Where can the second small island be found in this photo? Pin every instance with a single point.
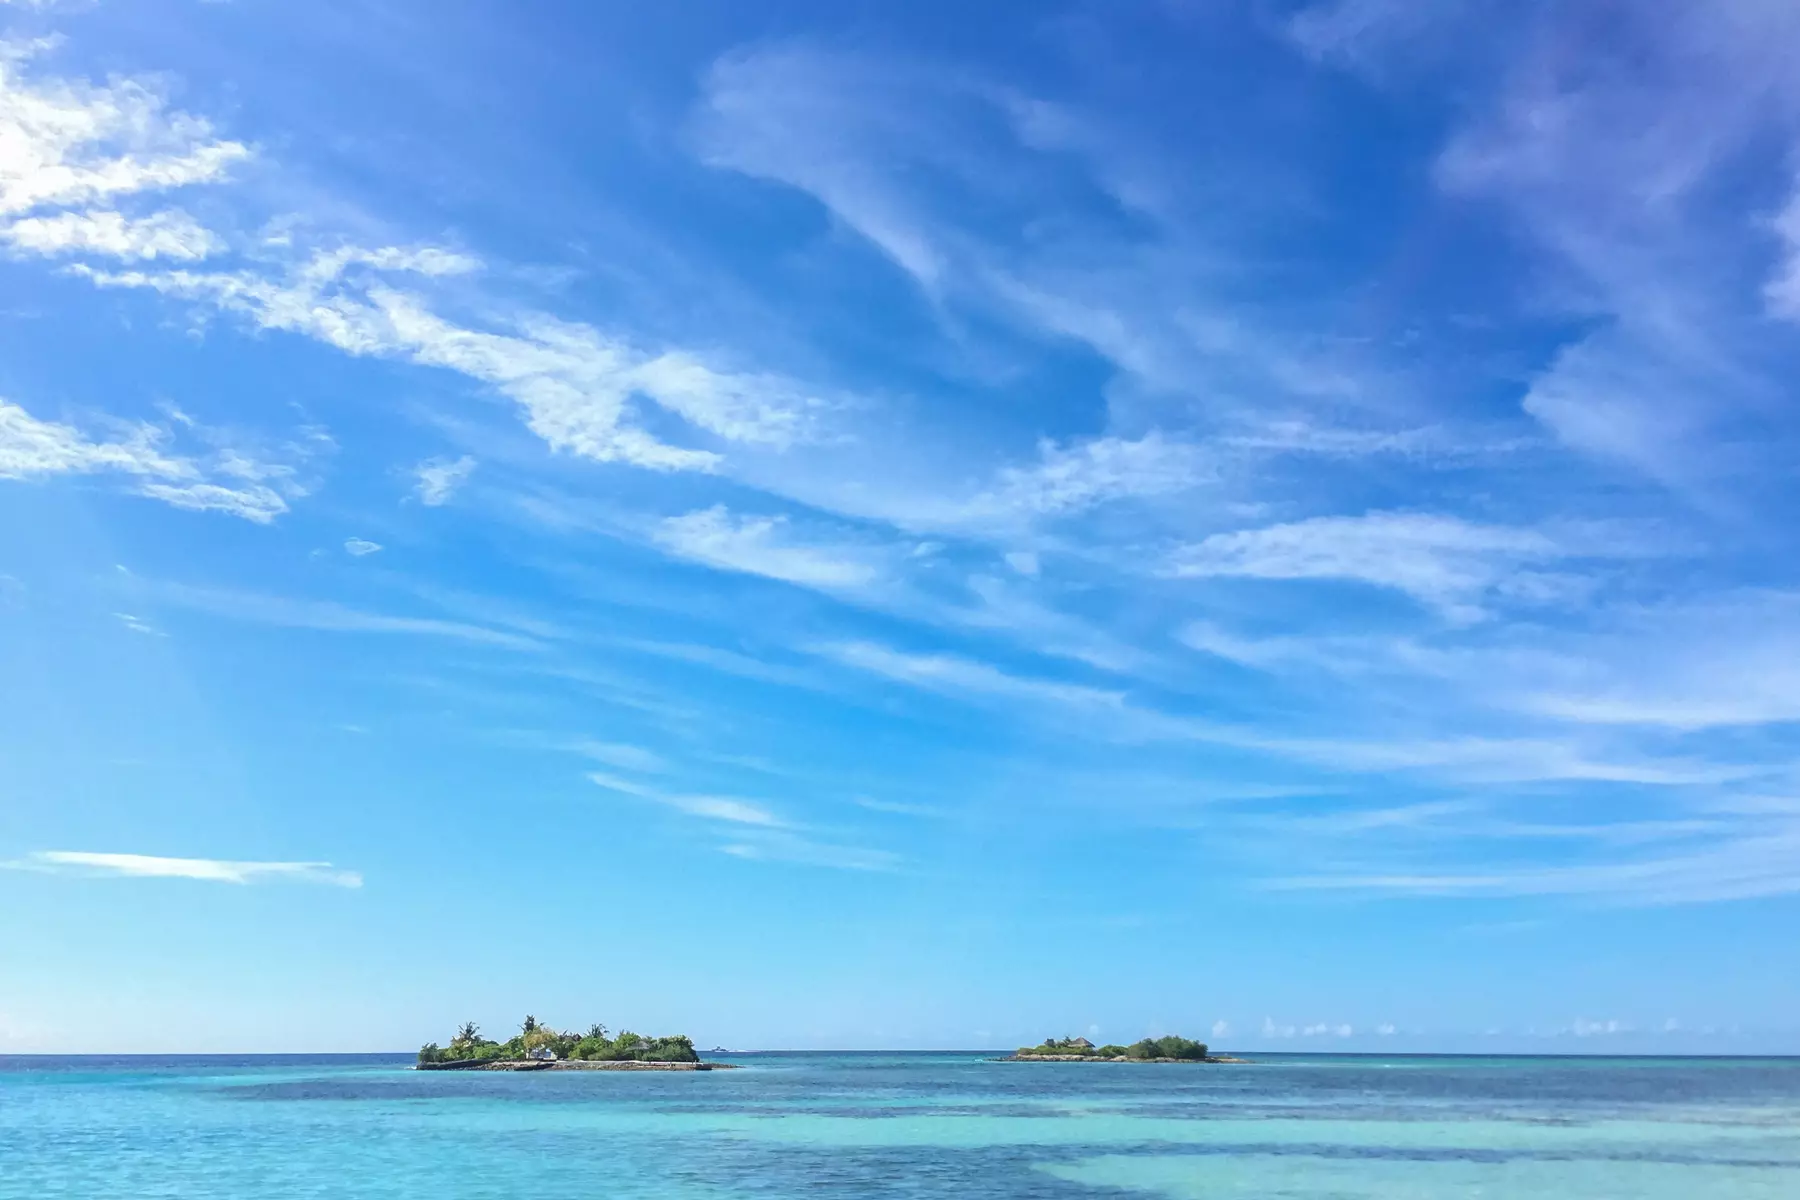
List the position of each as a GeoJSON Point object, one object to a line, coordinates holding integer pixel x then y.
{"type": "Point", "coordinates": [1150, 1050]}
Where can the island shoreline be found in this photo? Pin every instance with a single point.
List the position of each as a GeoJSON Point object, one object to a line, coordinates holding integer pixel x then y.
{"type": "Point", "coordinates": [1114, 1058]}
{"type": "Point", "coordinates": [570, 1064]}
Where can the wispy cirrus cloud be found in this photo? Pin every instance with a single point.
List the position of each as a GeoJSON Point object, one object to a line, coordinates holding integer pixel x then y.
{"type": "Point", "coordinates": [723, 808]}
{"type": "Point", "coordinates": [211, 870]}
{"type": "Point", "coordinates": [729, 809]}
{"type": "Point", "coordinates": [755, 831]}
{"type": "Point", "coordinates": [324, 615]}
{"type": "Point", "coordinates": [1378, 748]}
{"type": "Point", "coordinates": [1495, 759]}
{"type": "Point", "coordinates": [138, 625]}
{"type": "Point", "coordinates": [784, 847]}
{"type": "Point", "coordinates": [619, 754]}
{"type": "Point", "coordinates": [1713, 662]}
{"type": "Point", "coordinates": [1764, 864]}
{"type": "Point", "coordinates": [968, 678]}
{"type": "Point", "coordinates": [765, 546]}
{"type": "Point", "coordinates": [574, 384]}
{"type": "Point", "coordinates": [1451, 564]}
{"type": "Point", "coordinates": [437, 480]}
{"type": "Point", "coordinates": [1782, 290]}
{"type": "Point", "coordinates": [30, 447]}
{"type": "Point", "coordinates": [74, 143]}
{"type": "Point", "coordinates": [78, 143]}
{"type": "Point", "coordinates": [1611, 162]}
{"type": "Point", "coordinates": [225, 480]}
{"type": "Point", "coordinates": [164, 235]}
{"type": "Point", "coordinates": [1070, 478]}
{"type": "Point", "coordinates": [1364, 34]}
{"type": "Point", "coordinates": [760, 114]}
{"type": "Point", "coordinates": [984, 196]}
{"type": "Point", "coordinates": [1724, 661]}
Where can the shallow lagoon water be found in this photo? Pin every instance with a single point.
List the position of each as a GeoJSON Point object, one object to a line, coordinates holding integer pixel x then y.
{"type": "Point", "coordinates": [1299, 1128]}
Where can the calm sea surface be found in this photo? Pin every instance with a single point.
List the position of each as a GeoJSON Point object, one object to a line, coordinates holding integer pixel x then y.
{"type": "Point", "coordinates": [905, 1125]}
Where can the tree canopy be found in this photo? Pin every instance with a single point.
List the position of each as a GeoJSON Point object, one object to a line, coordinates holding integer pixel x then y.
{"type": "Point", "coordinates": [1149, 1049]}
{"type": "Point", "coordinates": [594, 1045]}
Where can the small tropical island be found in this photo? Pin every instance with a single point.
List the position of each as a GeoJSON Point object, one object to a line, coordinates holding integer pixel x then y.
{"type": "Point", "coordinates": [540, 1047]}
{"type": "Point", "coordinates": [1170, 1049]}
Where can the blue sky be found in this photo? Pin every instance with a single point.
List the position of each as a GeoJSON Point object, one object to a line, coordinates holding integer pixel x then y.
{"type": "Point", "coordinates": [870, 525]}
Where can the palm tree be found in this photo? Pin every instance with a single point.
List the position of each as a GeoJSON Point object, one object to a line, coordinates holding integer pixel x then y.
{"type": "Point", "coordinates": [468, 1033]}
{"type": "Point", "coordinates": [531, 1024]}
{"type": "Point", "coordinates": [597, 1031]}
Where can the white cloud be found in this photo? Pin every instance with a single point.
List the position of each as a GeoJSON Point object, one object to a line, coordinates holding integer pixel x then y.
{"type": "Point", "coordinates": [30, 447]}
{"type": "Point", "coordinates": [779, 846]}
{"type": "Point", "coordinates": [983, 196]}
{"type": "Point", "coordinates": [1358, 33]}
{"type": "Point", "coordinates": [253, 503]}
{"type": "Point", "coordinates": [165, 235]}
{"type": "Point", "coordinates": [758, 833]}
{"type": "Point", "coordinates": [73, 143]}
{"type": "Point", "coordinates": [1009, 607]}
{"type": "Point", "coordinates": [1475, 759]}
{"type": "Point", "coordinates": [807, 119]}
{"type": "Point", "coordinates": [209, 869]}
{"type": "Point", "coordinates": [1783, 289]}
{"type": "Point", "coordinates": [1069, 479]}
{"type": "Point", "coordinates": [757, 410]}
{"type": "Point", "coordinates": [895, 807]}
{"type": "Point", "coordinates": [1209, 638]}
{"type": "Point", "coordinates": [630, 787]}
{"type": "Point", "coordinates": [574, 384]}
{"type": "Point", "coordinates": [359, 547]}
{"type": "Point", "coordinates": [728, 809]}
{"type": "Point", "coordinates": [723, 808]}
{"type": "Point", "coordinates": [1109, 713]}
{"type": "Point", "coordinates": [1619, 166]}
{"type": "Point", "coordinates": [226, 481]}
{"type": "Point", "coordinates": [1619, 394]}
{"type": "Point", "coordinates": [619, 754]}
{"type": "Point", "coordinates": [138, 625]}
{"type": "Point", "coordinates": [1295, 436]}
{"type": "Point", "coordinates": [326, 616]}
{"type": "Point", "coordinates": [965, 677]}
{"type": "Point", "coordinates": [763, 546]}
{"type": "Point", "coordinates": [440, 478]}
{"type": "Point", "coordinates": [1759, 860]}
{"type": "Point", "coordinates": [729, 662]}
{"type": "Point", "coordinates": [1730, 659]}
{"type": "Point", "coordinates": [1025, 562]}
{"type": "Point", "coordinates": [1727, 658]}
{"type": "Point", "coordinates": [1220, 1028]}
{"type": "Point", "coordinates": [1446, 562]}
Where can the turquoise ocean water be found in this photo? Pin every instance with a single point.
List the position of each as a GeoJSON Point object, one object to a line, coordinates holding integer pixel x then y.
{"type": "Point", "coordinates": [905, 1125]}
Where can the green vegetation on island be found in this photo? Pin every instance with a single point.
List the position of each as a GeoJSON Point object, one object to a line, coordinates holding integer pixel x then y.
{"type": "Point", "coordinates": [536, 1040]}
{"type": "Point", "coordinates": [1163, 1049]}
